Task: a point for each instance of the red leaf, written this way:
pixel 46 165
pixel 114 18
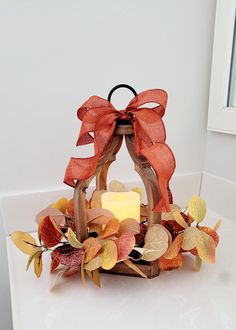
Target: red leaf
pixel 67 255
pixel 54 264
pixel 50 235
pixel 125 244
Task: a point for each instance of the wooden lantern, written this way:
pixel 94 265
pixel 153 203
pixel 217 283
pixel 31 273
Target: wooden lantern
pixel 148 176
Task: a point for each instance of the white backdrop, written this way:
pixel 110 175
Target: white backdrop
pixel 55 54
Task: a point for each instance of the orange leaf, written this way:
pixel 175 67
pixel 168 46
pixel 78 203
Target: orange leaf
pixel 206 247
pixel 109 256
pixel 111 228
pixel 91 246
pixel 211 232
pixel 125 244
pixel 174 248
pixel 50 234
pixel 129 225
pixel 169 264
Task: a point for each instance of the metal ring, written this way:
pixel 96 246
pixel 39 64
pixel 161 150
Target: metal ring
pixel 120 86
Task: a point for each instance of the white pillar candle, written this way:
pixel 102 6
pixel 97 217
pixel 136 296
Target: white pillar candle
pixel 122 204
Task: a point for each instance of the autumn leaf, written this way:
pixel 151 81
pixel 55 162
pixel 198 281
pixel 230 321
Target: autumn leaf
pixel 95 228
pixel 218 224
pixel 169 215
pixel 129 225
pixel 38 265
pixel 61 204
pixel 174 248
pixel 50 234
pixel 82 272
pixel 96 278
pixel 54 264
pixel 197 208
pixel 94 263
pixel 67 255
pixel 156 243
pixel 31 258
pixel 170 264
pixel 131 265
pixel 99 215
pixel 198 263
pixel 116 186
pixel 206 247
pixel 91 246
pixel 57 215
pixel 111 228
pixel 24 242
pixel 180 220
pixel 72 239
pixel 109 255
pixel 95 201
pixel 190 238
pixel 125 244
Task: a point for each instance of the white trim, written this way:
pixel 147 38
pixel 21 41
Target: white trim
pixel 220 117
pixel 18 211
pixel 220 194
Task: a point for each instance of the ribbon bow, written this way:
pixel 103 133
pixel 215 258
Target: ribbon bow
pixel 99 117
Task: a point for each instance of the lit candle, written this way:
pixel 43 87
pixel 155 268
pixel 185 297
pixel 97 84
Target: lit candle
pixel 122 204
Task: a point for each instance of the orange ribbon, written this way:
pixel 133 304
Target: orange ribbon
pixel 99 117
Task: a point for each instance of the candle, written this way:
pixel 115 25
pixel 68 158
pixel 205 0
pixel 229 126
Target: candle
pixel 122 204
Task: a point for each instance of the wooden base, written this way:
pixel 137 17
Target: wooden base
pixel 150 269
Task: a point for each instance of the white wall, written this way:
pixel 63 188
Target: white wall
pixel 221 155
pixel 55 54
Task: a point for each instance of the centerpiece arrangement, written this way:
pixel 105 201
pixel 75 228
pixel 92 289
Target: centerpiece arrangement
pixel 112 231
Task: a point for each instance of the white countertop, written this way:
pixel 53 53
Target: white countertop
pixel 180 299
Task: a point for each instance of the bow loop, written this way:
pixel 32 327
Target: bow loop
pixel 99 119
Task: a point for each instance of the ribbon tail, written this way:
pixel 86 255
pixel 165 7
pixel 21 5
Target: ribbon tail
pixel 80 169
pixel 162 161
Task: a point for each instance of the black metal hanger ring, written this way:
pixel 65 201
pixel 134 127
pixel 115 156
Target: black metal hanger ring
pixel 120 86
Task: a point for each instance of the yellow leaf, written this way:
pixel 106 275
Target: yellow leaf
pixel 96 277
pixel 61 204
pixel 180 220
pixel 190 238
pixel 198 263
pixel 38 265
pixel 174 248
pixel 72 239
pixel 197 208
pixel 138 190
pixel 116 185
pixel 82 272
pixel 109 256
pixel 218 224
pixel 31 258
pixel 25 242
pixel 93 264
pixel 206 247
pixel 131 265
